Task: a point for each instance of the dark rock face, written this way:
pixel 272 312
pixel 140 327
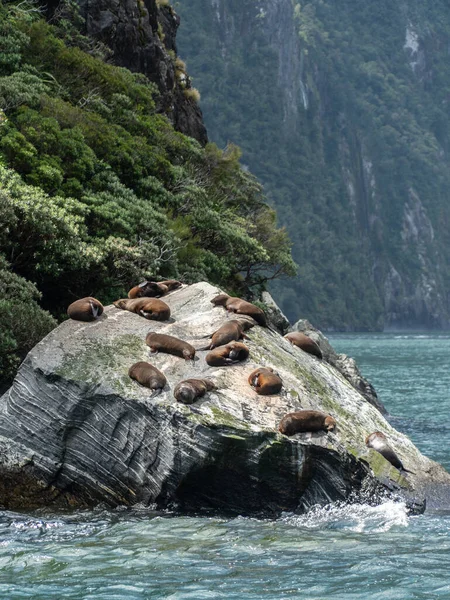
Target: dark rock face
pixel 140 35
pixel 76 430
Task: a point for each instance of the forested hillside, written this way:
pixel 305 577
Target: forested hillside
pixel 97 188
pixel 342 110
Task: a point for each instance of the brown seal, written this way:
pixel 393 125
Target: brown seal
pixel 306 420
pixel 149 308
pixel 227 355
pixel 189 390
pixel 241 307
pixel 230 331
pixel 85 309
pixel 160 342
pixel 148 289
pixel 304 342
pixel 378 441
pixel 171 284
pixel 147 375
pixel 265 381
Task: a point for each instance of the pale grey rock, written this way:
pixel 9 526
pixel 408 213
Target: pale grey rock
pixel 344 364
pixel 76 430
pixel 274 314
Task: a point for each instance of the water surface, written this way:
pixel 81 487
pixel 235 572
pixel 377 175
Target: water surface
pixel 339 552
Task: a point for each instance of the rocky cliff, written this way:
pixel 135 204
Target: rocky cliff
pixel 76 430
pixel 341 111
pixel 141 37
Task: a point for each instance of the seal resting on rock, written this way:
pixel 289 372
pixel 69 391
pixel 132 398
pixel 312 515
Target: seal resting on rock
pixel 304 342
pixel 147 289
pixel 160 342
pixel 227 355
pixel 230 331
pixel 306 420
pixel 85 309
pixel 149 308
pixel 265 381
pixel 171 284
pixel 378 441
pixel 147 375
pixel 241 307
pixel 189 390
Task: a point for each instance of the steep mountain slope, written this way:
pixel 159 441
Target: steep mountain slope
pixel 341 109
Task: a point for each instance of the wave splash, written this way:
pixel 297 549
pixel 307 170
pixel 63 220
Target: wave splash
pixel 358 518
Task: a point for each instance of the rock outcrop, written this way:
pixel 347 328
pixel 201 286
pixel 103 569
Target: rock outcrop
pixel 141 36
pixel 344 364
pixel 76 430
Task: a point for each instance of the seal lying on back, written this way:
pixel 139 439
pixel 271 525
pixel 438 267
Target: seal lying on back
pixel 230 331
pixel 241 307
pixel 378 441
pixel 306 420
pixel 85 309
pixel 149 308
pixel 227 355
pixel 265 382
pixel 160 342
pixel 189 390
pixel 147 375
pixel 304 342
pixel 147 289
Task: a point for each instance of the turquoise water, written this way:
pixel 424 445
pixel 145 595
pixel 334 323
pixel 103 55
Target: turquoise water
pixel 339 552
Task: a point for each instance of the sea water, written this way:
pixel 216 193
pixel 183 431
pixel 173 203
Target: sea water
pixel 340 552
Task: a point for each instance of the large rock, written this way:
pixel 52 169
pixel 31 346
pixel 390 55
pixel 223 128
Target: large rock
pixel 74 429
pixel 344 364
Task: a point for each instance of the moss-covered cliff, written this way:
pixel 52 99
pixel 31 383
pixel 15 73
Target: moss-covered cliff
pixel 341 109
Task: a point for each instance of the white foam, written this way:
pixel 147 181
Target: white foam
pixel 359 518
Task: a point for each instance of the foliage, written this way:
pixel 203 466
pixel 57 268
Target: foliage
pixel 339 132
pixel 99 191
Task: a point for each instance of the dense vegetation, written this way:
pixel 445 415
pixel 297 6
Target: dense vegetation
pixel 98 191
pixel 344 132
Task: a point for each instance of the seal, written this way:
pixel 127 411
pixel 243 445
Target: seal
pixel 227 355
pixel 160 342
pixel 378 441
pixel 149 308
pixel 148 376
pixel 171 284
pixel 147 289
pixel 306 420
pixel 189 390
pixel 241 307
pixel 230 331
pixel 265 381
pixel 85 309
pixel 304 342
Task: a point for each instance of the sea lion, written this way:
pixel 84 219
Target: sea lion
pixel 147 375
pixel 149 308
pixel 160 342
pixel 85 309
pixel 378 441
pixel 171 284
pixel 265 381
pixel 304 342
pixel 227 355
pixel 148 289
pixel 230 331
pixel 189 390
pixel 306 420
pixel 241 307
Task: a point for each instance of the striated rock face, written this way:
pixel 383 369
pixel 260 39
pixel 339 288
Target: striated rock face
pixel 140 35
pixel 344 364
pixel 75 429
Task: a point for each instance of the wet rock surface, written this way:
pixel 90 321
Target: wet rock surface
pixel 76 430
